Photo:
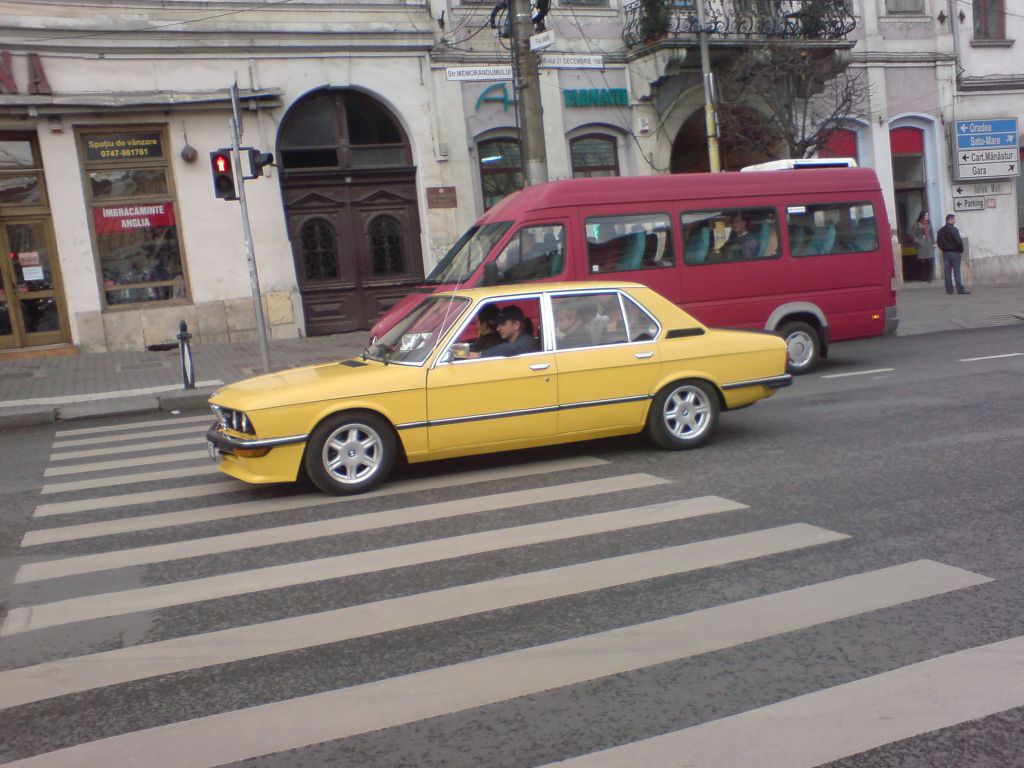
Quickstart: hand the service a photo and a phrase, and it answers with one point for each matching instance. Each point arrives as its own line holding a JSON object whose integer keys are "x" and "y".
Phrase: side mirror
{"x": 490, "y": 274}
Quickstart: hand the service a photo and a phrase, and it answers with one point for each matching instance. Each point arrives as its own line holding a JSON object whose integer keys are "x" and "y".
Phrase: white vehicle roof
{"x": 806, "y": 162}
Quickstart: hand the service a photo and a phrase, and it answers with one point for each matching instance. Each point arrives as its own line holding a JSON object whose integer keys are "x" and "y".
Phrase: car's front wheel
{"x": 350, "y": 453}
{"x": 683, "y": 415}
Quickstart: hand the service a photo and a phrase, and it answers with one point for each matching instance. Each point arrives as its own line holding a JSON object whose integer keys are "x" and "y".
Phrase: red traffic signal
{"x": 258, "y": 161}
{"x": 223, "y": 174}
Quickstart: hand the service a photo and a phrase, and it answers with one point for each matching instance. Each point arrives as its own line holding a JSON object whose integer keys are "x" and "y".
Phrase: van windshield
{"x": 467, "y": 254}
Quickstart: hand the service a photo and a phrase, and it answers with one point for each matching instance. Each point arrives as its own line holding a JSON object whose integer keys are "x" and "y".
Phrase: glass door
{"x": 31, "y": 313}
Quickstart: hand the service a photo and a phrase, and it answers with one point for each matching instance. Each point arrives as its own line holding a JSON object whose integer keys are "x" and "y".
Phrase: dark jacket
{"x": 948, "y": 239}
{"x": 523, "y": 343}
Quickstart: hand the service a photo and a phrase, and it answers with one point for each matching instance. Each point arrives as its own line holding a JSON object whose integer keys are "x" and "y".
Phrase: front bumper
{"x": 223, "y": 443}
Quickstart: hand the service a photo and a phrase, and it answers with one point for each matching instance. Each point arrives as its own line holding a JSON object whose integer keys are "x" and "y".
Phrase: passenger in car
{"x": 486, "y": 329}
{"x": 516, "y": 340}
{"x": 573, "y": 318}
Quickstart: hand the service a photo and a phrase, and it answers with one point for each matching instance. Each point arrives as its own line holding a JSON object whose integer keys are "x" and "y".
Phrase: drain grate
{"x": 140, "y": 366}
{"x": 990, "y": 322}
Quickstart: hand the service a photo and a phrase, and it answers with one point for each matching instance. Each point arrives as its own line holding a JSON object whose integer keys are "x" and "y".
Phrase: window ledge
{"x": 1004, "y": 43}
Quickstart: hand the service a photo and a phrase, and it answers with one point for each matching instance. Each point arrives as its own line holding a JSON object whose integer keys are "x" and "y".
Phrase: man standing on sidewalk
{"x": 952, "y": 246}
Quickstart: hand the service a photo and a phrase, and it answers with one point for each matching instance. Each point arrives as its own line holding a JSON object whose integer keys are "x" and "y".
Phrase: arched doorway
{"x": 690, "y": 147}
{"x": 349, "y": 189}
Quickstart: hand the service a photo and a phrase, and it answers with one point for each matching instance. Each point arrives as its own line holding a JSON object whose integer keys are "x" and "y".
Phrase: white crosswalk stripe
{"x": 21, "y": 686}
{"x": 551, "y": 530}
{"x": 358, "y": 709}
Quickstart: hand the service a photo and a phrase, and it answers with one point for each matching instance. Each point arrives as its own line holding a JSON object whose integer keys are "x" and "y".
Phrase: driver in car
{"x": 516, "y": 338}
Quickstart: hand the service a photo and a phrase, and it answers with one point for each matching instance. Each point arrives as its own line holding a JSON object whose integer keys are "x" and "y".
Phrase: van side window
{"x": 533, "y": 253}
{"x": 815, "y": 230}
{"x": 731, "y": 234}
{"x": 636, "y": 241}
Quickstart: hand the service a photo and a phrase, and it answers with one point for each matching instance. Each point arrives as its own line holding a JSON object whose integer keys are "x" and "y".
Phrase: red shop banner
{"x": 117, "y": 219}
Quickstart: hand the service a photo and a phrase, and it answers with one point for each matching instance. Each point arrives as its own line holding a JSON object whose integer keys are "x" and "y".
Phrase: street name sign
{"x": 542, "y": 40}
{"x": 986, "y": 149}
{"x": 479, "y": 73}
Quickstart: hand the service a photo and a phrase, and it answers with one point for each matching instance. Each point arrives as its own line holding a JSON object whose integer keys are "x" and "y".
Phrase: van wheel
{"x": 802, "y": 347}
{"x": 350, "y": 453}
{"x": 683, "y": 415}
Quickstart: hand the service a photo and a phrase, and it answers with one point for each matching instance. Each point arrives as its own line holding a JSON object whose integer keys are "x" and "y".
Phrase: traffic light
{"x": 223, "y": 174}
{"x": 257, "y": 161}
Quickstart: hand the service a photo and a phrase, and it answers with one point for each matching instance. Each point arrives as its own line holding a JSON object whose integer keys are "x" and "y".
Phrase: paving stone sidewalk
{"x": 46, "y": 389}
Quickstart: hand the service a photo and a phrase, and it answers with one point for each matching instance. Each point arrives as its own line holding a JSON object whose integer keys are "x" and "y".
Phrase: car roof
{"x": 519, "y": 289}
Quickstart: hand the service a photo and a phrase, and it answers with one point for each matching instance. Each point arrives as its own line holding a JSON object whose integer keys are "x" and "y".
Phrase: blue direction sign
{"x": 986, "y": 134}
{"x": 987, "y": 148}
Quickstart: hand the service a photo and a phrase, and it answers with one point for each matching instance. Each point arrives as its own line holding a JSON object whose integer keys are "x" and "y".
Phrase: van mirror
{"x": 490, "y": 274}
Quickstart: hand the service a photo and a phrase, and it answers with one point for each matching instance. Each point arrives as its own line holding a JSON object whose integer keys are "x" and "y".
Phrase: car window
{"x": 640, "y": 326}
{"x": 533, "y": 253}
{"x": 416, "y": 334}
{"x": 733, "y": 234}
{"x": 588, "y": 320}
{"x": 636, "y": 241}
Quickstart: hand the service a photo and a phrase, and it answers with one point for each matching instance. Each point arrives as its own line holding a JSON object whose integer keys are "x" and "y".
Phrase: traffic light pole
{"x": 250, "y": 253}
{"x": 527, "y": 77}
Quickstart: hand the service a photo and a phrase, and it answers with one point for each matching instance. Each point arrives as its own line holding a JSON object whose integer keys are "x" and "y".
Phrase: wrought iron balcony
{"x": 648, "y": 21}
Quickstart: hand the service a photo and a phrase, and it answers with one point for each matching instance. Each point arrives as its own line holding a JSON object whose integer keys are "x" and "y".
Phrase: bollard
{"x": 188, "y": 374}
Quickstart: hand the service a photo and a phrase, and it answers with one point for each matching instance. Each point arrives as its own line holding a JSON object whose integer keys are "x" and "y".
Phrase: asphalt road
{"x": 835, "y": 580}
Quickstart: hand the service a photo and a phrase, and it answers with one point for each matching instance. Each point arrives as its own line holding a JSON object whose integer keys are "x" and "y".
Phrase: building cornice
{"x": 28, "y": 105}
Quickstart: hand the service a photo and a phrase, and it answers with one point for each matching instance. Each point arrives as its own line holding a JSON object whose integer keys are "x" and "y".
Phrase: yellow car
{"x": 576, "y": 361}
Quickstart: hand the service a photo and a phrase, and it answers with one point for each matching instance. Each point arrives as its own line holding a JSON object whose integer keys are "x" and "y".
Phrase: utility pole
{"x": 250, "y": 252}
{"x": 710, "y": 117}
{"x": 526, "y": 75}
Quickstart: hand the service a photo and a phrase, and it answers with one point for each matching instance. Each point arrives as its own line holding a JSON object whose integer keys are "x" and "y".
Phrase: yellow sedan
{"x": 495, "y": 369}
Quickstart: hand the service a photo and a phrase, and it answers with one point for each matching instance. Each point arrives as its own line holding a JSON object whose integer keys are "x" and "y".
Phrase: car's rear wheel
{"x": 683, "y": 415}
{"x": 802, "y": 347}
{"x": 350, "y": 453}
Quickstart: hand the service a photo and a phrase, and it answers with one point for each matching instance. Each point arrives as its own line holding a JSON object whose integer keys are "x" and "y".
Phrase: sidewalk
{"x": 47, "y": 389}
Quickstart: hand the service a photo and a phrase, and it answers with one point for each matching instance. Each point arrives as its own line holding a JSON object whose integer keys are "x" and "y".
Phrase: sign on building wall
{"x": 479, "y": 73}
{"x": 596, "y": 97}
{"x": 986, "y": 149}
{"x": 123, "y": 146}
{"x": 978, "y": 197}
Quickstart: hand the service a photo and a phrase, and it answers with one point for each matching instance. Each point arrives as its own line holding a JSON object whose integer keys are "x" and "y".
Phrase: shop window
{"x": 501, "y": 169}
{"x": 594, "y": 155}
{"x": 319, "y": 252}
{"x": 818, "y": 230}
{"x": 385, "y": 235}
{"x": 735, "y": 234}
{"x": 134, "y": 218}
{"x": 637, "y": 241}
{"x": 21, "y": 175}
{"x": 989, "y": 20}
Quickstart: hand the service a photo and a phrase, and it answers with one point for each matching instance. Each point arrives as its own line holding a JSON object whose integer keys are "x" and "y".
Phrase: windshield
{"x": 416, "y": 334}
{"x": 468, "y": 253}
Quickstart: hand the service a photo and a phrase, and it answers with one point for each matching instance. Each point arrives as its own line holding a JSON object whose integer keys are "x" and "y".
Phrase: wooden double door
{"x": 355, "y": 241}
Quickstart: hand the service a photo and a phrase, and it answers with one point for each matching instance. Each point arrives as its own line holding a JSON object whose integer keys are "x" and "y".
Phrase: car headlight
{"x": 236, "y": 421}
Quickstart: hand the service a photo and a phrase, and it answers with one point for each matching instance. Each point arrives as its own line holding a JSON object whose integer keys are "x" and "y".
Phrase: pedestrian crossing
{"x": 386, "y": 606}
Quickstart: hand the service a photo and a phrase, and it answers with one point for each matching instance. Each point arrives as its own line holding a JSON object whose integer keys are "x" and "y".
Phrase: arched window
{"x": 594, "y": 155}
{"x": 842, "y": 142}
{"x": 319, "y": 251}
{"x": 385, "y": 235}
{"x": 341, "y": 128}
{"x": 501, "y": 169}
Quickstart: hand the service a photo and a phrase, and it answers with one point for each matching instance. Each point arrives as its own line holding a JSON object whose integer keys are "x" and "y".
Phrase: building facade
{"x": 394, "y": 126}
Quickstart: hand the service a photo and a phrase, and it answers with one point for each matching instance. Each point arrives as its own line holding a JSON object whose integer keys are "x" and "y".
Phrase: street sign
{"x": 969, "y": 204}
{"x": 986, "y": 148}
{"x": 571, "y": 61}
{"x": 989, "y": 188}
{"x": 542, "y": 40}
{"x": 479, "y": 73}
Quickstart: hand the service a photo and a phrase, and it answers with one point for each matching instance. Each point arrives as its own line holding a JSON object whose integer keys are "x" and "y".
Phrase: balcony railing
{"x": 650, "y": 20}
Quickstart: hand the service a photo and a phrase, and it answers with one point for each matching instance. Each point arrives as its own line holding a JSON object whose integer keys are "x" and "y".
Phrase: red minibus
{"x": 804, "y": 253}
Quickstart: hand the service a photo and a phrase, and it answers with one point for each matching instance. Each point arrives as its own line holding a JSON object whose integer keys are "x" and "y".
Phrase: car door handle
{"x": 643, "y": 355}
{"x": 539, "y": 366}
